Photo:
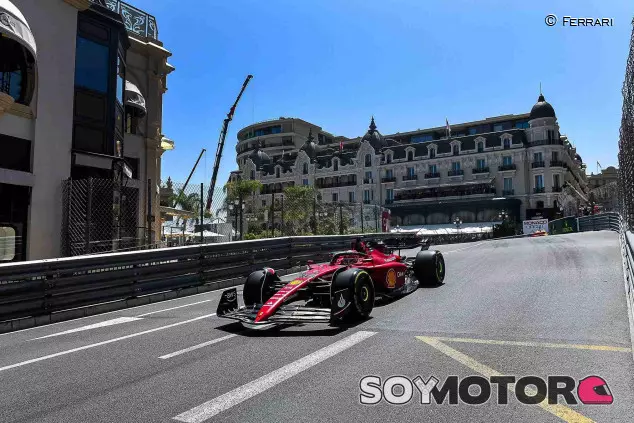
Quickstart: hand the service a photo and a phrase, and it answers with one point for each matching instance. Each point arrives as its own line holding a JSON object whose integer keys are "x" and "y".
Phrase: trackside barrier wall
{"x": 42, "y": 287}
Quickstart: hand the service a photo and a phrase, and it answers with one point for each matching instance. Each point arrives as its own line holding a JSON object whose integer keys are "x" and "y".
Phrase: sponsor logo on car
{"x": 390, "y": 278}
{"x": 296, "y": 282}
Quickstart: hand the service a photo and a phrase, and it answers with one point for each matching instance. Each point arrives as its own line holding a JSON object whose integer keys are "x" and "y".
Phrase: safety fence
{"x": 610, "y": 221}
{"x": 42, "y": 287}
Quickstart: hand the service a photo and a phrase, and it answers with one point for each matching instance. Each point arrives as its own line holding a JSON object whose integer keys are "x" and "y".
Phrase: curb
{"x": 95, "y": 309}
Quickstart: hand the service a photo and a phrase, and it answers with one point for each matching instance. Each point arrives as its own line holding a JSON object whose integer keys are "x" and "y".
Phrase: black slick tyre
{"x": 351, "y": 295}
{"x": 429, "y": 267}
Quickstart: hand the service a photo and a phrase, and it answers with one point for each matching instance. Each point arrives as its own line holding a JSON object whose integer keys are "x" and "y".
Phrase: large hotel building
{"x": 518, "y": 164}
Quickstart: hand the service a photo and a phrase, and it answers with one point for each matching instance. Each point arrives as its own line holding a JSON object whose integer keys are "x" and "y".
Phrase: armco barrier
{"x": 627, "y": 244}
{"x": 600, "y": 222}
{"x": 41, "y": 288}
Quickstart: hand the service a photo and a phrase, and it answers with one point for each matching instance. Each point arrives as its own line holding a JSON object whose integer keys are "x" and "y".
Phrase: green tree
{"x": 298, "y": 210}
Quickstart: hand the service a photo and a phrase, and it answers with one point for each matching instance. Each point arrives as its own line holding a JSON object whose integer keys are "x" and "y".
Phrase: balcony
{"x": 458, "y": 172}
{"x": 539, "y": 190}
{"x": 321, "y": 185}
{"x": 557, "y": 163}
{"x": 390, "y": 179}
{"x": 536, "y": 165}
{"x": 557, "y": 189}
{"x": 480, "y": 170}
{"x": 136, "y": 21}
{"x": 410, "y": 178}
{"x": 432, "y": 175}
{"x": 368, "y": 181}
{"x": 508, "y": 192}
{"x": 505, "y": 167}
{"x": 545, "y": 142}
{"x": 448, "y": 192}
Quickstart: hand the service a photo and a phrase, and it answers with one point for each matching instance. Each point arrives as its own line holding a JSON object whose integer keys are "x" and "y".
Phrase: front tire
{"x": 351, "y": 295}
{"x": 429, "y": 267}
{"x": 258, "y": 287}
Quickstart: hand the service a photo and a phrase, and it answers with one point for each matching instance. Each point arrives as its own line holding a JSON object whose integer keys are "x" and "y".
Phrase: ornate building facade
{"x": 474, "y": 171}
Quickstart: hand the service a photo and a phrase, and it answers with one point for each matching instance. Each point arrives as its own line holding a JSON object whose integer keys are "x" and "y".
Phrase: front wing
{"x": 228, "y": 308}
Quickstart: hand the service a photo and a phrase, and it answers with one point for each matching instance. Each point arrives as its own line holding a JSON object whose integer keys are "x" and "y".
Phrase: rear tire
{"x": 258, "y": 288}
{"x": 351, "y": 295}
{"x": 429, "y": 267}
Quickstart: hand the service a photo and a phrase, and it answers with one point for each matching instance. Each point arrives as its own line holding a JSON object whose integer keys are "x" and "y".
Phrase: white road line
{"x": 224, "y": 402}
{"x": 98, "y": 344}
{"x": 172, "y": 308}
{"x": 195, "y": 347}
{"x": 105, "y": 323}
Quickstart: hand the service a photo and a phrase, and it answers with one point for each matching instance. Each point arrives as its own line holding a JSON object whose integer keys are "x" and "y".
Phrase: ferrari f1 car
{"x": 343, "y": 289}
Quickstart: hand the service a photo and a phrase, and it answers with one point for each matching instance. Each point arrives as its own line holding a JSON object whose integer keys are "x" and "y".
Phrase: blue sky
{"x": 409, "y": 63}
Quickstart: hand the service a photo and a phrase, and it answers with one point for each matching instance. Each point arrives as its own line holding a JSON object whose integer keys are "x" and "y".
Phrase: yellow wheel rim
{"x": 364, "y": 293}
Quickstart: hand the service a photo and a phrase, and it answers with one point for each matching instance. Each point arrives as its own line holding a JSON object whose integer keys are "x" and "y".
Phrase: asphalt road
{"x": 519, "y": 307}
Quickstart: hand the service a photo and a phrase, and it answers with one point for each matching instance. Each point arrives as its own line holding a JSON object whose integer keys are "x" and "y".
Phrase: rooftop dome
{"x": 542, "y": 109}
{"x": 374, "y": 137}
{"x": 259, "y": 157}
{"x": 310, "y": 147}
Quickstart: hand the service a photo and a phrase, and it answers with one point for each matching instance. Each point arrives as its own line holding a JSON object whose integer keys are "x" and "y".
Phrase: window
{"x": 481, "y": 164}
{"x": 540, "y": 204}
{"x": 507, "y": 143}
{"x": 7, "y": 243}
{"x": 422, "y": 138}
{"x": 368, "y": 175}
{"x": 263, "y": 203}
{"x": 507, "y": 160}
{"x": 432, "y": 153}
{"x": 351, "y": 197}
{"x": 556, "y": 181}
{"x": 508, "y": 184}
{"x": 410, "y": 172}
{"x": 480, "y": 147}
{"x": 432, "y": 169}
{"x": 335, "y": 165}
{"x": 410, "y": 156}
{"x": 521, "y": 125}
{"x": 455, "y": 149}
{"x": 91, "y": 65}
{"x": 335, "y": 197}
{"x": 555, "y": 156}
{"x": 389, "y": 194}
{"x": 539, "y": 181}
{"x": 131, "y": 123}
{"x": 120, "y": 79}
{"x": 305, "y": 169}
{"x": 473, "y": 131}
{"x": 551, "y": 135}
{"x": 537, "y": 157}
{"x": 368, "y": 160}
{"x": 497, "y": 128}
{"x": 389, "y": 173}
{"x": 455, "y": 166}
{"x": 388, "y": 158}
{"x": 252, "y": 174}
{"x": 277, "y": 172}
{"x": 305, "y": 182}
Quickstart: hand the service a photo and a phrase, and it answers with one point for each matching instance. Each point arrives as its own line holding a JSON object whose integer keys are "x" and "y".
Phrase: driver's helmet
{"x": 380, "y": 246}
{"x": 359, "y": 245}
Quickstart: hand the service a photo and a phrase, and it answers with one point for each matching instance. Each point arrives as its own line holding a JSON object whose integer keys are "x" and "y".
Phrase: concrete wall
{"x": 54, "y": 26}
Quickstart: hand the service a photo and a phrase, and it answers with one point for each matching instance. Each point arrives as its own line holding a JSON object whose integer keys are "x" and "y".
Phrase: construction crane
{"x": 221, "y": 143}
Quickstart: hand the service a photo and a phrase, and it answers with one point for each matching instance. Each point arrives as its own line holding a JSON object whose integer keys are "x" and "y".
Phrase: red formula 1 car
{"x": 341, "y": 290}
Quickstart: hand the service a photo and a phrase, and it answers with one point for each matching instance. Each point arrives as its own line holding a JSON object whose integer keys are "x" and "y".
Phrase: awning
{"x": 134, "y": 98}
{"x": 13, "y": 25}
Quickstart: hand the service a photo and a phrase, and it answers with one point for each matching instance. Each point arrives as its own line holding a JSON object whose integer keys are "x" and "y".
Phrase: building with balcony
{"x": 513, "y": 163}
{"x": 81, "y": 89}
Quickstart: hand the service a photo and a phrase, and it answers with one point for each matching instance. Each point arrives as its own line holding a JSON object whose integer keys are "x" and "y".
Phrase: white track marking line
{"x": 195, "y": 347}
{"x": 105, "y": 323}
{"x": 172, "y": 308}
{"x": 98, "y": 344}
{"x": 224, "y": 402}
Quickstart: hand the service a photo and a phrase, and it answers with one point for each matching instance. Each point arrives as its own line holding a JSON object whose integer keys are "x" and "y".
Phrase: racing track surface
{"x": 157, "y": 362}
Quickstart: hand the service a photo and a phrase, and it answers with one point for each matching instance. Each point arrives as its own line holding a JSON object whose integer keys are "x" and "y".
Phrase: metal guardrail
{"x": 600, "y": 222}
{"x": 38, "y": 288}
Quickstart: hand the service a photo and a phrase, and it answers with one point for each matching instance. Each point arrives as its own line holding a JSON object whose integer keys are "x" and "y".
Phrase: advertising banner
{"x": 532, "y": 226}
{"x": 563, "y": 226}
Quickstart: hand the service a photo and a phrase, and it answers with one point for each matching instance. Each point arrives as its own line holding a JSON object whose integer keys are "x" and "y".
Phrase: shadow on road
{"x": 286, "y": 331}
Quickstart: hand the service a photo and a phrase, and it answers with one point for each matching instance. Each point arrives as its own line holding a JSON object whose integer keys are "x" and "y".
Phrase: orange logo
{"x": 391, "y": 278}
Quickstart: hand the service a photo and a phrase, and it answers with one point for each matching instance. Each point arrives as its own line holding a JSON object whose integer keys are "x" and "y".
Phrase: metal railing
{"x": 135, "y": 20}
{"x": 38, "y": 288}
